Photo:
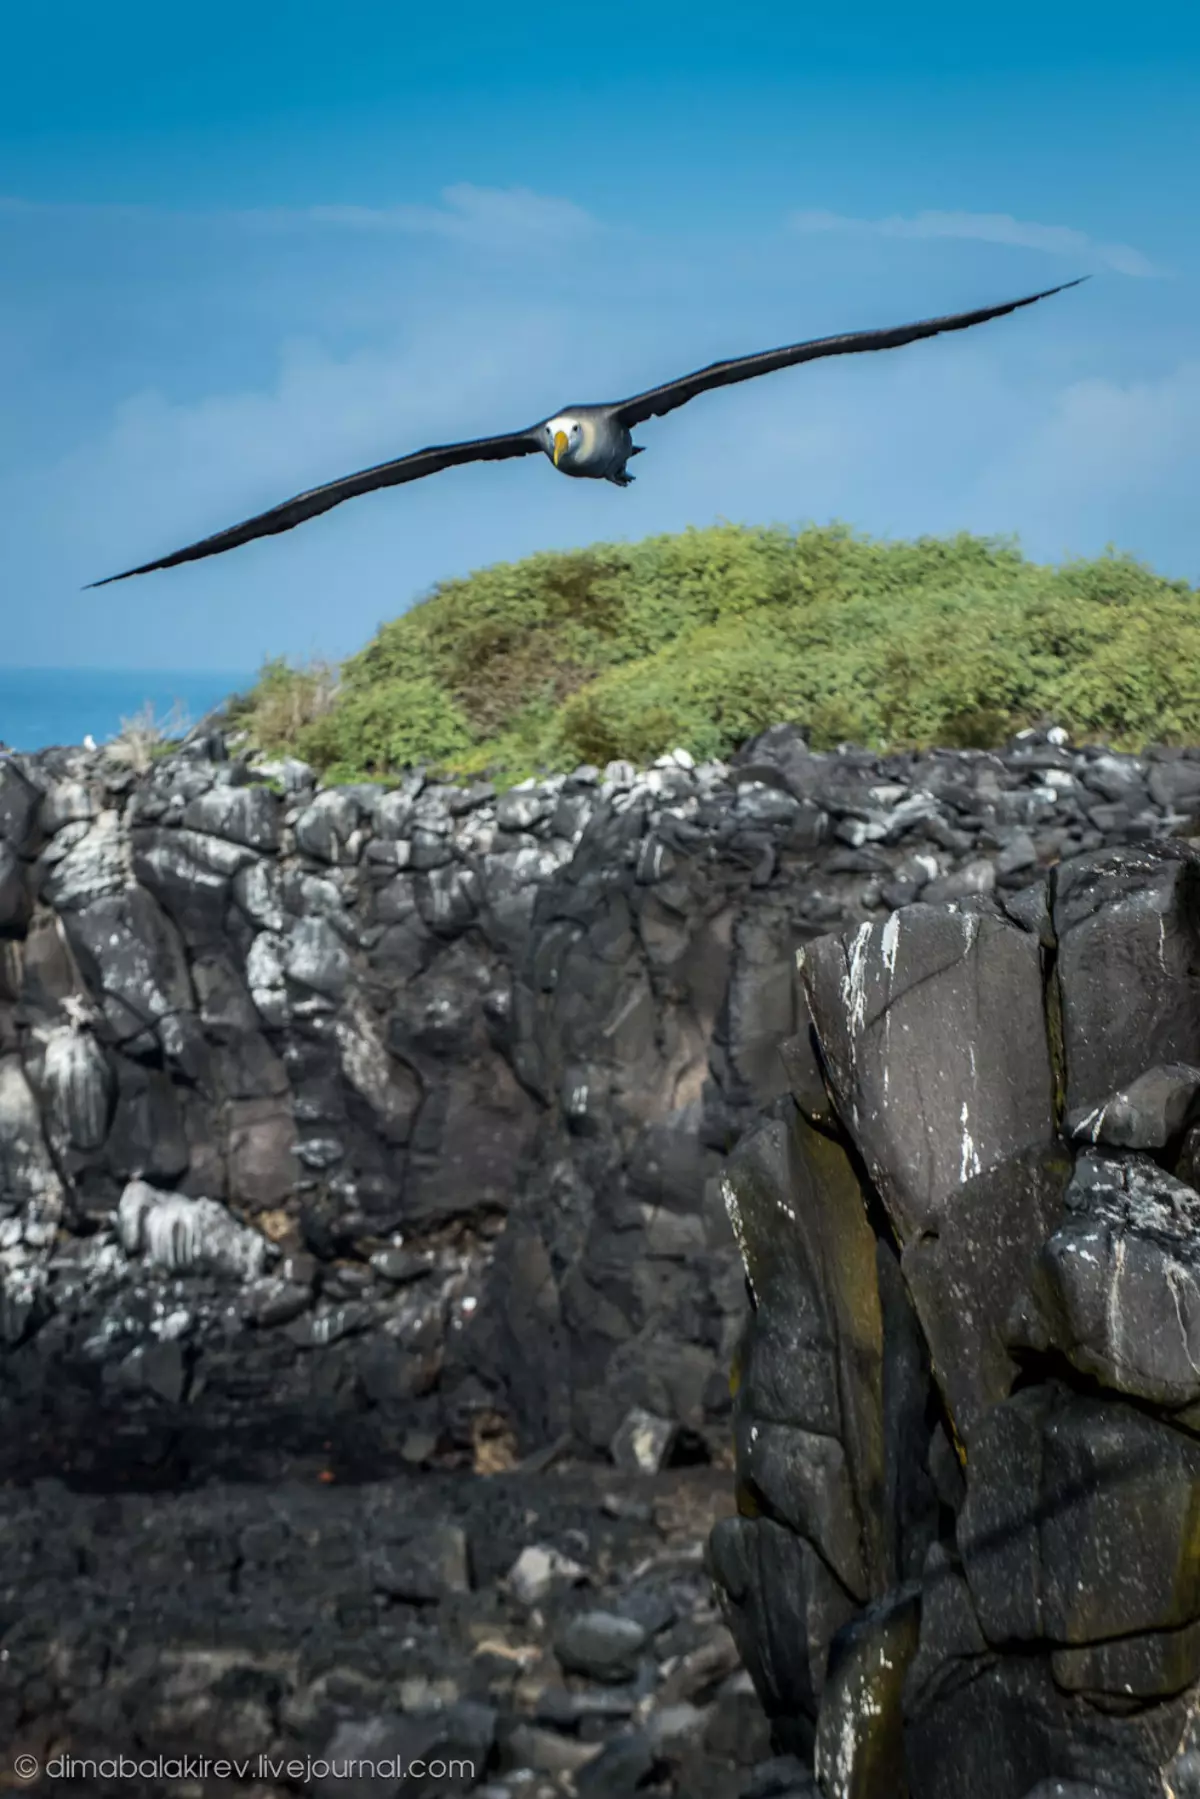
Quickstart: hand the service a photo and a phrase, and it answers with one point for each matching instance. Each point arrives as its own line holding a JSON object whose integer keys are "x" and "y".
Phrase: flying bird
{"x": 592, "y": 442}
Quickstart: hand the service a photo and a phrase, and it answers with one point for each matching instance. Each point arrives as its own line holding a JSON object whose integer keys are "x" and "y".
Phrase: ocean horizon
{"x": 41, "y": 708}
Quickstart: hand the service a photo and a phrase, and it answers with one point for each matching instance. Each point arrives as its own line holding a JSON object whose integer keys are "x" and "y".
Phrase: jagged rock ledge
{"x": 352, "y": 1127}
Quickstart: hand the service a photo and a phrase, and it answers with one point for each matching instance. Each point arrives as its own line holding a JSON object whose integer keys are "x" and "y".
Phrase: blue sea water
{"x": 44, "y": 706}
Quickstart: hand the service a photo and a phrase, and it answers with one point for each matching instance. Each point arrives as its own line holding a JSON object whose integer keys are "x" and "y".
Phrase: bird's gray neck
{"x": 605, "y": 443}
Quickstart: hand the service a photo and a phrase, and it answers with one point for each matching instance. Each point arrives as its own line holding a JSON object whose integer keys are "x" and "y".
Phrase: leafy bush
{"x": 285, "y": 702}
{"x": 704, "y": 638}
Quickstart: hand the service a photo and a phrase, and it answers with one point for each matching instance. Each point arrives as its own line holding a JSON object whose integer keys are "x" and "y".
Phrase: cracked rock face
{"x": 351, "y": 1131}
{"x": 510, "y": 1037}
{"x": 966, "y": 1557}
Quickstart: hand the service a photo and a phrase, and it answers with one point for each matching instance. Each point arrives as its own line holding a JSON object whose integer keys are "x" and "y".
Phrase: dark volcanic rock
{"x": 808, "y": 1411}
{"x": 278, "y": 1625}
{"x": 15, "y": 903}
{"x": 860, "y": 1734}
{"x": 345, "y": 1132}
{"x": 425, "y": 1568}
{"x": 993, "y": 1219}
{"x": 1128, "y": 967}
{"x": 886, "y": 1002}
{"x": 1116, "y": 1287}
{"x": 1018, "y": 1607}
{"x": 1077, "y": 1519}
{"x": 602, "y": 1645}
{"x": 513, "y": 1037}
{"x": 1146, "y": 1114}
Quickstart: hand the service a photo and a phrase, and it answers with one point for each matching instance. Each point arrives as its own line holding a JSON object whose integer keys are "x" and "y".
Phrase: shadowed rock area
{"x": 966, "y": 1557}
{"x": 357, "y": 1142}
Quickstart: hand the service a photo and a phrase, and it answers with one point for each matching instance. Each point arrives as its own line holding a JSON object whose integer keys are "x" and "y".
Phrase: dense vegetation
{"x": 702, "y": 639}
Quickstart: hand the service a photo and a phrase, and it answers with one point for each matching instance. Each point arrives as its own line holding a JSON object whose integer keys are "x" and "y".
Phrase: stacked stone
{"x": 968, "y": 1405}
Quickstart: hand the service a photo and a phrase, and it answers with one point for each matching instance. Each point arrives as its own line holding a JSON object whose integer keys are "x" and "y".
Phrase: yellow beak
{"x": 560, "y": 444}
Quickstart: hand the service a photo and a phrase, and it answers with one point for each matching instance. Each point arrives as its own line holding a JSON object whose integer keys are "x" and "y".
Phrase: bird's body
{"x": 587, "y": 442}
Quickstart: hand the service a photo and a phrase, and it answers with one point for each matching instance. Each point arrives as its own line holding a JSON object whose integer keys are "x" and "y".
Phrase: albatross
{"x": 588, "y": 442}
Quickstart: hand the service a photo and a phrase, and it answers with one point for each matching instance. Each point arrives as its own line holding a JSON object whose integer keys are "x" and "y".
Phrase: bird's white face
{"x": 563, "y": 437}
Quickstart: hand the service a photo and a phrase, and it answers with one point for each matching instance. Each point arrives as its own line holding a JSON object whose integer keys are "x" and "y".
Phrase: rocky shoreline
{"x": 351, "y": 1139}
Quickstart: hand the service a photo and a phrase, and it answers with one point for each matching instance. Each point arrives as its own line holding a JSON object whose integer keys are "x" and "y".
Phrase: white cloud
{"x": 487, "y": 217}
{"x": 1101, "y": 453}
{"x": 987, "y": 228}
{"x": 495, "y": 217}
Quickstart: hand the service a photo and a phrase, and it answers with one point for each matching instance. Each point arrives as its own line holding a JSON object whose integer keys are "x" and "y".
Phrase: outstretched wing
{"x": 320, "y": 499}
{"x": 657, "y": 400}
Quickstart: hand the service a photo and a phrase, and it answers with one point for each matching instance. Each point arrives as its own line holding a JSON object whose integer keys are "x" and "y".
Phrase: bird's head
{"x": 563, "y": 439}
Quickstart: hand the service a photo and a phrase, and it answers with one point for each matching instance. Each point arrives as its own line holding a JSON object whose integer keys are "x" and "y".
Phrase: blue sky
{"x": 247, "y": 249}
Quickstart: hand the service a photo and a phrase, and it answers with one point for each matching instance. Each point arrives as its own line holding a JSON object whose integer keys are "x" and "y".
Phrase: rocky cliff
{"x": 346, "y": 1128}
{"x": 966, "y": 1558}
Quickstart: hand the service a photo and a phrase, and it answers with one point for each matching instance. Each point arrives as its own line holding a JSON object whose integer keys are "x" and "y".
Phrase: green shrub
{"x": 285, "y": 702}
{"x": 703, "y": 638}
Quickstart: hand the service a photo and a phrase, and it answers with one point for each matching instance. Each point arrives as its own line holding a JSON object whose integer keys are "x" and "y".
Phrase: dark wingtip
{"x": 1060, "y": 288}
{"x": 109, "y": 579}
